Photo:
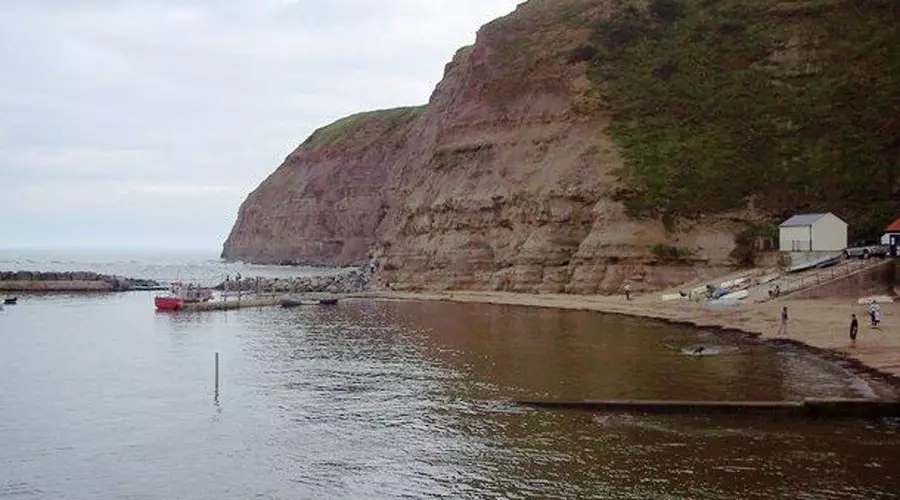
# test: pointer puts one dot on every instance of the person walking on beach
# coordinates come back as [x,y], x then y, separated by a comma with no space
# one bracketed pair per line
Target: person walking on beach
[627,289]
[875,313]
[854,330]
[783,328]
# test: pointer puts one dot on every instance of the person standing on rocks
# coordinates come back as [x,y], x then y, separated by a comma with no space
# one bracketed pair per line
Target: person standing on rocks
[783,328]
[854,330]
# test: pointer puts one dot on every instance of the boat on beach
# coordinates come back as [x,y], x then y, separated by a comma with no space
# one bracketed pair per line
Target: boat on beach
[817,263]
[736,295]
[876,299]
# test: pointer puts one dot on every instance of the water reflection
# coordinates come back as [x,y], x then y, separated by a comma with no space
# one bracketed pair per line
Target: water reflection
[578,355]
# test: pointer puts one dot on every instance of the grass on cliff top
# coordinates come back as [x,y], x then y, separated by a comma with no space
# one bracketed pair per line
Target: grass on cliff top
[390,120]
[786,106]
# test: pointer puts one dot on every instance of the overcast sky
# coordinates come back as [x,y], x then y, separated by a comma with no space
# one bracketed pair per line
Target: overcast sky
[142,124]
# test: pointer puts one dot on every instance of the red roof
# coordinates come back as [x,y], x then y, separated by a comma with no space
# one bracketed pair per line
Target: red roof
[893,228]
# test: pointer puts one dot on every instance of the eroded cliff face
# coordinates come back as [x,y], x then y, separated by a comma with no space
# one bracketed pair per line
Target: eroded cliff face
[324,203]
[502,182]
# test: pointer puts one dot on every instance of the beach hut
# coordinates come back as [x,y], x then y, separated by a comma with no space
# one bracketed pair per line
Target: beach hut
[823,232]
[892,237]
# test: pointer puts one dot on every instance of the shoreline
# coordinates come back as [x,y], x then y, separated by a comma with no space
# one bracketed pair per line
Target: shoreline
[817,326]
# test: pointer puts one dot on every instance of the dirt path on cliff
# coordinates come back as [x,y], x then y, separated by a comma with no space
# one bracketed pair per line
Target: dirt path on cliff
[820,324]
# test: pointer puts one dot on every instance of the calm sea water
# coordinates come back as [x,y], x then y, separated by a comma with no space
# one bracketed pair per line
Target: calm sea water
[203,267]
[101,397]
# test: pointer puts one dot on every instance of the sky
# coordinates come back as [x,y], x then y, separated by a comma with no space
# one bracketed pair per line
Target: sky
[145,124]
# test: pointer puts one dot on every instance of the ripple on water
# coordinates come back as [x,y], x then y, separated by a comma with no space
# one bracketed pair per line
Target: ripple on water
[391,400]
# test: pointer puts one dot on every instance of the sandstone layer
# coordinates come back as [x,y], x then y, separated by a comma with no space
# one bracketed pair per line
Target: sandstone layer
[503,181]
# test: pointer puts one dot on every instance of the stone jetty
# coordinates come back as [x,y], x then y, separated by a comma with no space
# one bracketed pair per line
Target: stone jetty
[80,281]
[351,280]
[809,407]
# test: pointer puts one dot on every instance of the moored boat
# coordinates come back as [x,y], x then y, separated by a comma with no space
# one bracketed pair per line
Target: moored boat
[10,300]
[181,294]
[168,303]
[307,302]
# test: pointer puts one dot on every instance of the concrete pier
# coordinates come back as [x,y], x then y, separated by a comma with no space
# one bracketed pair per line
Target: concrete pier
[220,305]
[255,302]
[811,407]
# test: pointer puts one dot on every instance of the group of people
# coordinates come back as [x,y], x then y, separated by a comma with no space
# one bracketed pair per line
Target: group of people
[874,317]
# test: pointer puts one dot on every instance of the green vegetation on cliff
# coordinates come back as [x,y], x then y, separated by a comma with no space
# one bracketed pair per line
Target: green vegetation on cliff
[782,106]
[385,122]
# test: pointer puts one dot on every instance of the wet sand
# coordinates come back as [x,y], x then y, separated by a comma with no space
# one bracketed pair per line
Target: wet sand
[820,325]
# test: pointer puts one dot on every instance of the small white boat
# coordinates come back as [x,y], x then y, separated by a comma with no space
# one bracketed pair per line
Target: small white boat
[738,295]
[719,303]
[734,283]
[822,262]
[876,299]
[671,296]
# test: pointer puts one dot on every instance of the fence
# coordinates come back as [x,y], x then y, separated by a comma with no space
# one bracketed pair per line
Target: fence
[825,275]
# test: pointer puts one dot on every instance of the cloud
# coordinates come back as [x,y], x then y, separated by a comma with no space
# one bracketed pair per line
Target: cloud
[175,102]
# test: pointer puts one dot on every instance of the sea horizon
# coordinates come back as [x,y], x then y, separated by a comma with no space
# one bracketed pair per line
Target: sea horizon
[80,249]
[198,265]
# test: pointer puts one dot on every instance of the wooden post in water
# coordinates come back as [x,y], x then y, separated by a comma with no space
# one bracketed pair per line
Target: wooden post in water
[217,377]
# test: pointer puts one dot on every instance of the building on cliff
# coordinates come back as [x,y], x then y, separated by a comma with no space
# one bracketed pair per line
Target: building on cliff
[892,237]
[824,232]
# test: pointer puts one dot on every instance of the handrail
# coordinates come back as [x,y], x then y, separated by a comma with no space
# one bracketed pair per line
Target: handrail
[845,268]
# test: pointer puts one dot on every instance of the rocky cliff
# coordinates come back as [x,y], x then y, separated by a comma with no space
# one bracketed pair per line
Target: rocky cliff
[323,205]
[505,180]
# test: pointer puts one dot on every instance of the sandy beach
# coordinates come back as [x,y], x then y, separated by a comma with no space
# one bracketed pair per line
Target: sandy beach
[821,325]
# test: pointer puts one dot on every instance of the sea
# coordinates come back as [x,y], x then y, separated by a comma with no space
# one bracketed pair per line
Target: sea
[102,397]
[202,267]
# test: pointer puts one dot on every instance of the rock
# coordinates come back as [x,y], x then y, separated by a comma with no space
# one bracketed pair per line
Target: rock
[350,280]
[71,281]
[502,182]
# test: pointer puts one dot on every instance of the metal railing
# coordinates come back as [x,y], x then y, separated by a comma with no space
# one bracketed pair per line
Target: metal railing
[827,274]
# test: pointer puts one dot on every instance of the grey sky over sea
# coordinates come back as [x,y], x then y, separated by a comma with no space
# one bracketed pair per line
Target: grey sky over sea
[139,124]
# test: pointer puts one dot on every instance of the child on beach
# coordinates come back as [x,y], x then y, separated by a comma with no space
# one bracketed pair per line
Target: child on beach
[783,329]
[875,314]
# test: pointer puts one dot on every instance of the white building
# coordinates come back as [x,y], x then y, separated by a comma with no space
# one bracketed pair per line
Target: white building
[813,233]
[892,237]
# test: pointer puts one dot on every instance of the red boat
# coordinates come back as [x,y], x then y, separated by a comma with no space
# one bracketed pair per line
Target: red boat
[181,294]
[170,303]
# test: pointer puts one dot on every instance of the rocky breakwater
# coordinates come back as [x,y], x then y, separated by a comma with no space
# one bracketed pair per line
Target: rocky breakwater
[505,180]
[35,281]
[354,280]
